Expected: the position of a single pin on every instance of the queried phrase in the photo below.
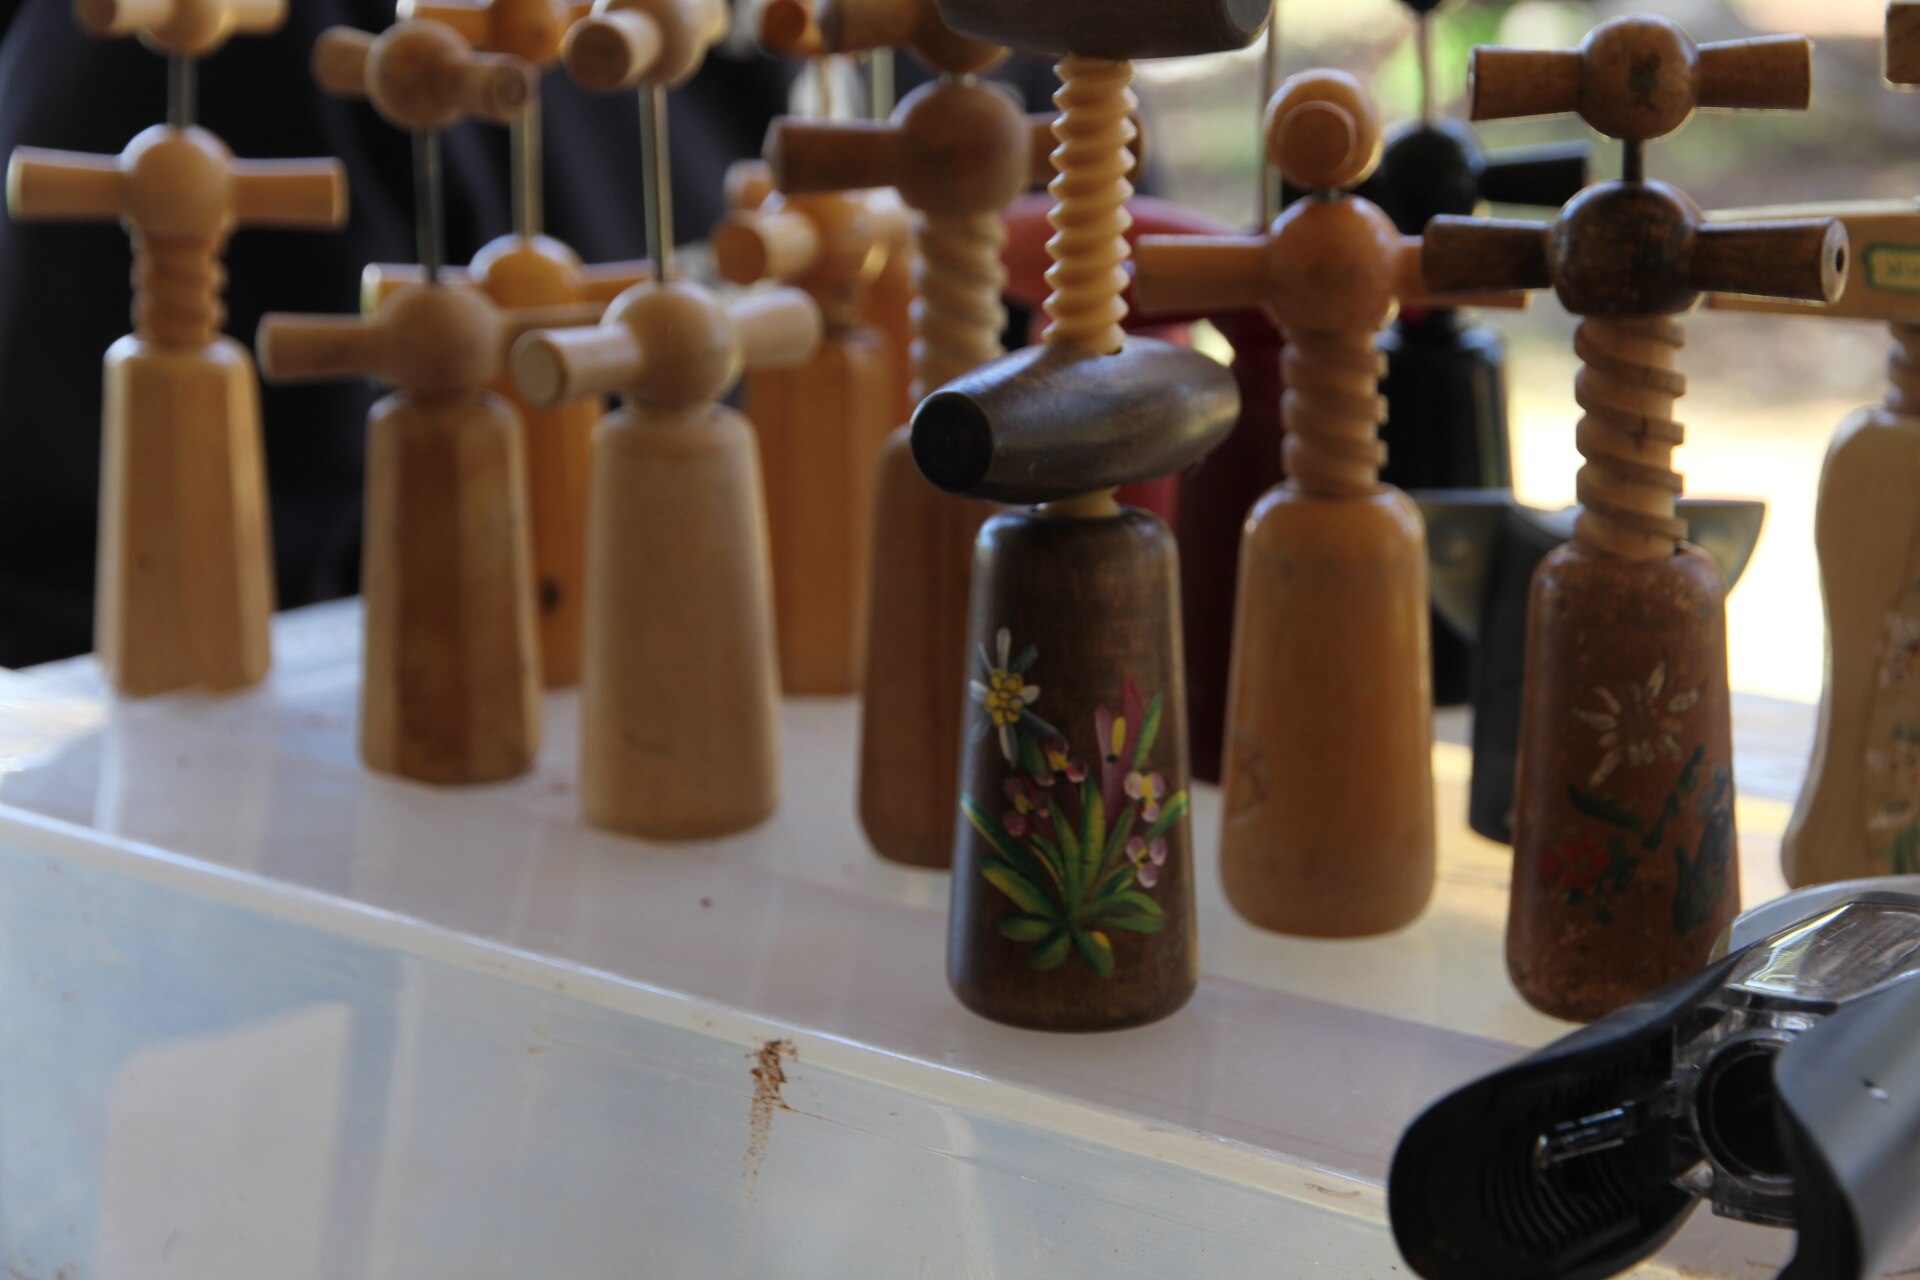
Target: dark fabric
(64, 291)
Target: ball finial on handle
(642, 44)
(1323, 131)
(422, 76)
(184, 28)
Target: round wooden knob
(188, 28)
(750, 246)
(788, 26)
(439, 339)
(421, 76)
(1637, 81)
(631, 44)
(1323, 132)
(531, 30)
(748, 184)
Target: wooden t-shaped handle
(1883, 267)
(1640, 78)
(529, 29)
(670, 346)
(791, 27)
(636, 44)
(177, 183)
(423, 338)
(186, 28)
(831, 243)
(1101, 29)
(422, 76)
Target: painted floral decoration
(1635, 726)
(1074, 847)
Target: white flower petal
(1684, 702)
(1030, 693)
(1608, 763)
(1657, 681)
(1003, 639)
(1595, 719)
(1613, 703)
(978, 690)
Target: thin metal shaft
(429, 218)
(1633, 162)
(657, 180)
(1269, 85)
(1423, 49)
(183, 91)
(528, 201)
(881, 95)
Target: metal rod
(528, 200)
(1633, 162)
(1423, 50)
(656, 176)
(429, 218)
(881, 95)
(183, 91)
(1270, 194)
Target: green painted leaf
(1140, 903)
(1095, 949)
(1170, 812)
(1031, 758)
(1008, 880)
(989, 827)
(1136, 923)
(1149, 729)
(1111, 883)
(1050, 953)
(1051, 853)
(1117, 837)
(1069, 850)
(1026, 928)
(1093, 845)
(1690, 774)
(1604, 809)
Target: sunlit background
(1765, 394)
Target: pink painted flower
(1058, 761)
(1576, 864)
(1149, 789)
(1147, 859)
(1029, 811)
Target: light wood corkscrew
(1329, 736)
(450, 691)
(821, 423)
(1624, 843)
(184, 595)
(1073, 879)
(679, 722)
(1858, 813)
(528, 268)
(957, 151)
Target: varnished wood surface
(680, 691)
(450, 689)
(1096, 601)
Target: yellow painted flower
(1005, 694)
(1639, 725)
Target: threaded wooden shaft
(1333, 412)
(1090, 218)
(958, 281)
(1628, 384)
(176, 290)
(1903, 370)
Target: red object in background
(1207, 505)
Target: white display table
(267, 1015)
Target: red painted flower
(1576, 864)
(1029, 810)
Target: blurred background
(1765, 394)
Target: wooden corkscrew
(1446, 375)
(1858, 813)
(528, 268)
(1072, 904)
(184, 594)
(957, 152)
(1329, 778)
(450, 691)
(1625, 864)
(821, 423)
(679, 719)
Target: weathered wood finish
(1625, 854)
(1048, 422)
(1097, 601)
(679, 719)
(1097, 29)
(450, 689)
(816, 428)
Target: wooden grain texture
(1095, 605)
(1096, 28)
(1902, 43)
(184, 592)
(816, 424)
(450, 689)
(181, 28)
(916, 655)
(1625, 865)
(1328, 827)
(679, 717)
(1046, 423)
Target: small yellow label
(1893, 268)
